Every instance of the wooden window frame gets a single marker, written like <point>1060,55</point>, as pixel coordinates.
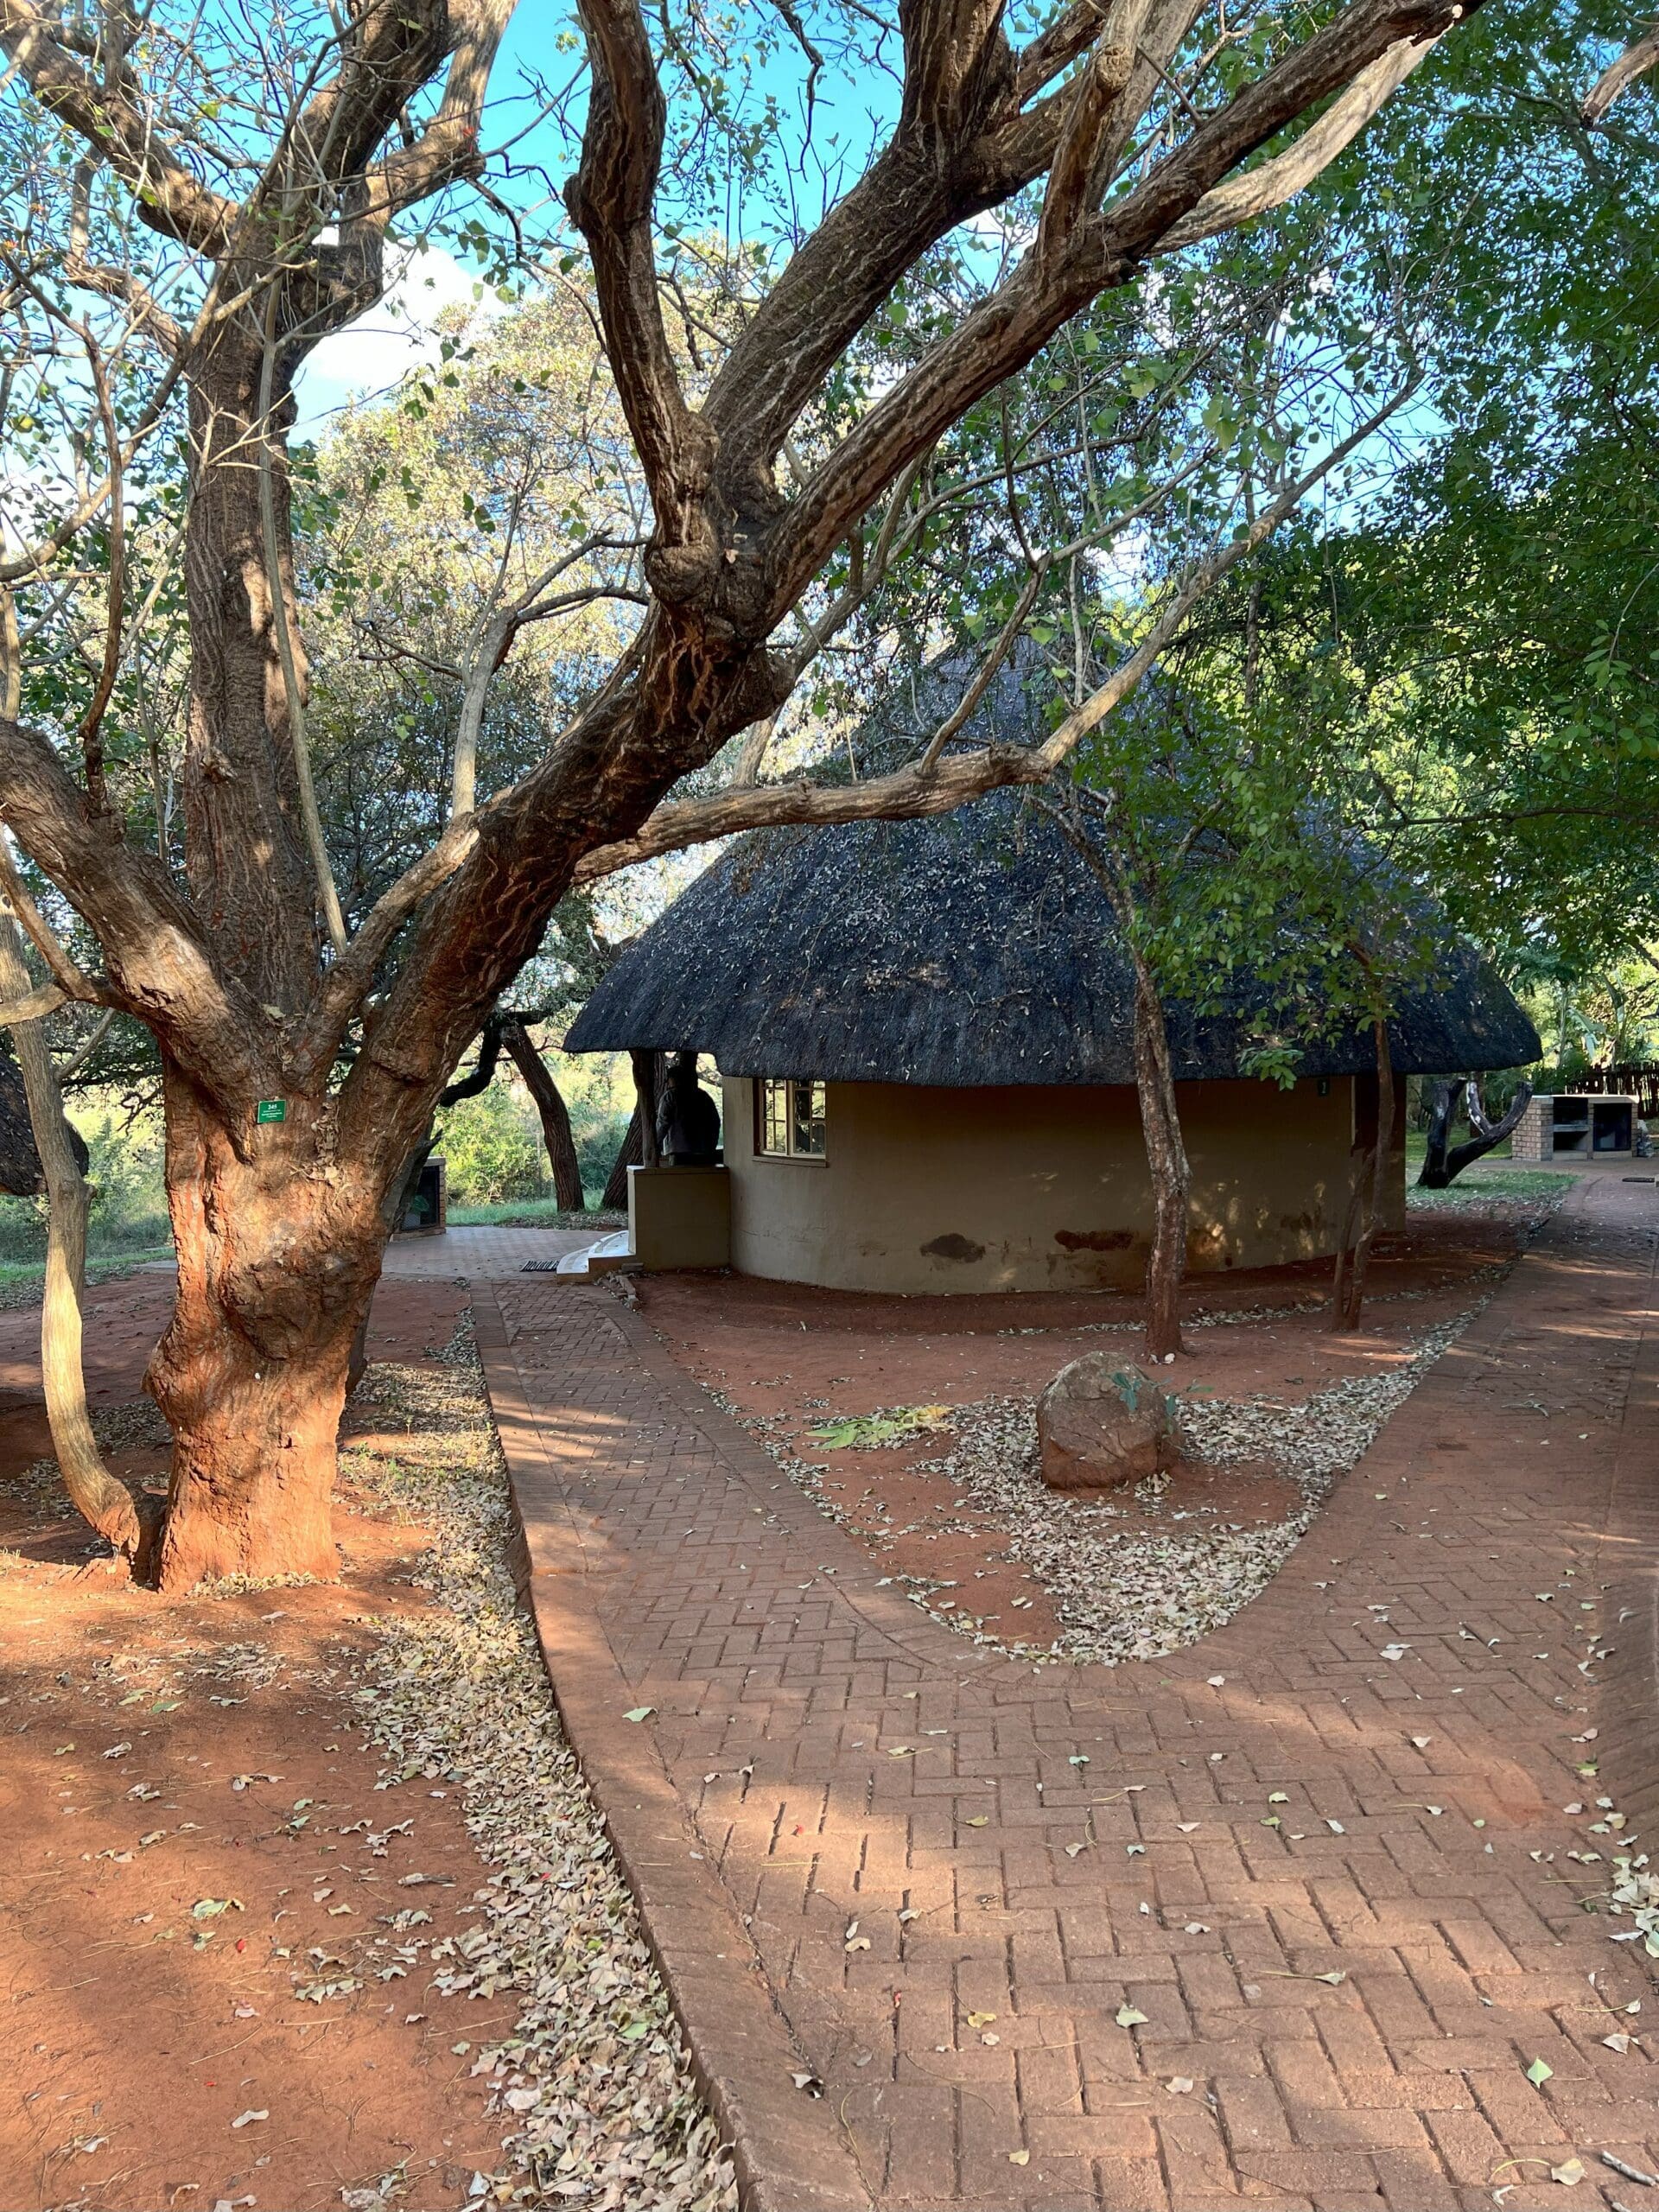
<point>763,1085</point>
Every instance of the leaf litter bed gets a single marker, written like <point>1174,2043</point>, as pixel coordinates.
<point>941,1483</point>
<point>393,1969</point>
<point>594,2080</point>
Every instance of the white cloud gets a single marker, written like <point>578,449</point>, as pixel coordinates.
<point>384,344</point>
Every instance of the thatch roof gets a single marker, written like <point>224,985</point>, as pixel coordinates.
<point>977,948</point>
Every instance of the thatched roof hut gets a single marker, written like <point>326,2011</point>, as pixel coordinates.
<point>924,1033</point>
<point>972,950</point>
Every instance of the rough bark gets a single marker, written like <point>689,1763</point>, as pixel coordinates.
<point>555,1117</point>
<point>100,1499</point>
<point>252,1371</point>
<point>1166,1161</point>
<point>245,861</point>
<point>1365,1205</point>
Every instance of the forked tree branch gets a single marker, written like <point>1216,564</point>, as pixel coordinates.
<point>167,197</point>
<point>1073,174</point>
<point>1005,331</point>
<point>159,968</point>
<point>1273,183</point>
<point>933,784</point>
<point>352,977</point>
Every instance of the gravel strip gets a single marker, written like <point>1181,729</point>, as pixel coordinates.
<point>593,2082</point>
<point>1130,1593</point>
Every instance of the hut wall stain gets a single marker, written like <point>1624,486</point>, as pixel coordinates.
<point>1039,1187</point>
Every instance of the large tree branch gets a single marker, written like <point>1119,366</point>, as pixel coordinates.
<point>905,793</point>
<point>961,145</point>
<point>1331,59</point>
<point>352,977</point>
<point>1638,57</point>
<point>168,198</point>
<point>1073,175</point>
<point>1008,329</point>
<point>932,785</point>
<point>158,966</point>
<point>449,148</point>
<point>612,200</point>
<point>1272,183</point>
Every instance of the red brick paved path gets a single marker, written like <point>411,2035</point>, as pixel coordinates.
<point>822,1753</point>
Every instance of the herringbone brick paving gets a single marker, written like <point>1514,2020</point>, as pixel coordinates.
<point>1027,1852</point>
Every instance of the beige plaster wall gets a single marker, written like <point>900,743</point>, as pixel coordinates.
<point>680,1216</point>
<point>1038,1188</point>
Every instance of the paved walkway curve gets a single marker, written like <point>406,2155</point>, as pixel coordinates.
<point>820,1753</point>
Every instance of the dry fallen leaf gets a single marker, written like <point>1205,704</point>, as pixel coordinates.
<point>1179,2085</point>
<point>1569,2174</point>
<point>1019,2157</point>
<point>1128,2017</point>
<point>245,2119</point>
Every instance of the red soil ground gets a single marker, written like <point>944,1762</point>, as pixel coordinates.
<point>794,1356</point>
<point>133,2045</point>
<point>133,2052</point>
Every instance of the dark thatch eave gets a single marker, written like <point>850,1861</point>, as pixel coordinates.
<point>972,950</point>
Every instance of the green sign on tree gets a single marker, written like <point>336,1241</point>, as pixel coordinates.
<point>271,1110</point>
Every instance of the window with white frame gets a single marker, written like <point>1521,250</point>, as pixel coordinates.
<point>789,1119</point>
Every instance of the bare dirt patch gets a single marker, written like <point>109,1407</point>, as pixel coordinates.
<point>951,1513</point>
<point>260,1850</point>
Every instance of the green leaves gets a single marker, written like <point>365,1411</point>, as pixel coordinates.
<point>867,1431</point>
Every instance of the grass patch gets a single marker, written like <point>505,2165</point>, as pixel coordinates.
<point>23,1281</point>
<point>532,1213</point>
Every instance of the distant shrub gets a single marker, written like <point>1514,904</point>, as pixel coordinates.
<point>492,1148</point>
<point>127,1173</point>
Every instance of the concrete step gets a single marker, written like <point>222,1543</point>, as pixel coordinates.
<point>606,1256</point>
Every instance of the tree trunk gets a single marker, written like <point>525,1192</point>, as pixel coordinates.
<point>638,1147</point>
<point>279,1251</point>
<point>615,1196</point>
<point>1160,1125</point>
<point>1348,1287</point>
<point>648,1088</point>
<point>244,842</point>
<point>555,1117</point>
<point>93,1490</point>
<point>1444,1161</point>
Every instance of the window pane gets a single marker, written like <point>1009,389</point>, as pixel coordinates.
<point>774,1116</point>
<point>808,1102</point>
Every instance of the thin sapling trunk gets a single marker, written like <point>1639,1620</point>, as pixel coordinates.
<point>1167,1164</point>
<point>1348,1289</point>
<point>100,1499</point>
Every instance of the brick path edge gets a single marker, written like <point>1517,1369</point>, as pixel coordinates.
<point>738,2040</point>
